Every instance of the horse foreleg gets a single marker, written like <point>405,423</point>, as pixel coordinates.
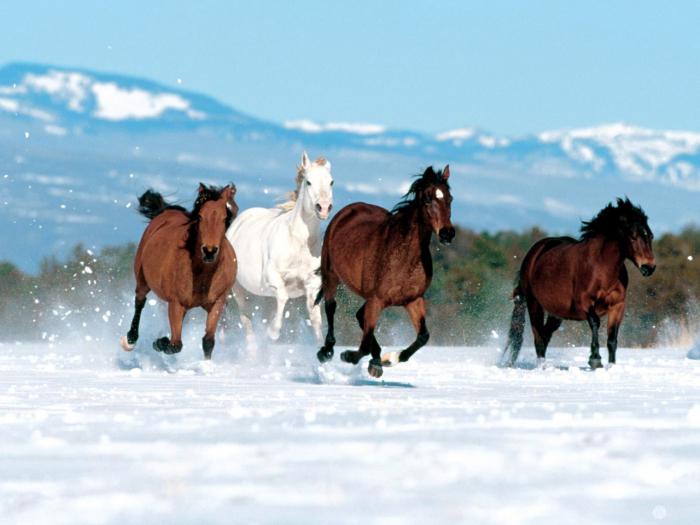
<point>615,315</point>
<point>276,282</point>
<point>416,311</point>
<point>213,314</point>
<point>172,345</point>
<point>128,342</point>
<point>244,313</point>
<point>326,351</point>
<point>594,322</point>
<point>273,330</point>
<point>312,287</point>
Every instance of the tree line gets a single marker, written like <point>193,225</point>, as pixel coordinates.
<point>469,299</point>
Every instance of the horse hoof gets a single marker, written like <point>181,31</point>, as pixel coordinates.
<point>391,359</point>
<point>375,368</point>
<point>324,355</point>
<point>273,335</point>
<point>124,343</point>
<point>164,345</point>
<point>595,363</point>
<point>350,357</point>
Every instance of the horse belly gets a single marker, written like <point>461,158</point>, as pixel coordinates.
<point>554,290</point>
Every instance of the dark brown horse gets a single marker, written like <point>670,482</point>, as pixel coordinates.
<point>385,258</point>
<point>579,280</point>
<point>187,261</point>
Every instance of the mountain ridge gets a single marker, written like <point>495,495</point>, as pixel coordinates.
<point>78,135</point>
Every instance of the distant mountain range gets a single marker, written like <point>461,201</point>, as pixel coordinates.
<point>77,147</point>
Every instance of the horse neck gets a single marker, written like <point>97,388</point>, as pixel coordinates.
<point>304,224</point>
<point>605,251</point>
<point>412,230</point>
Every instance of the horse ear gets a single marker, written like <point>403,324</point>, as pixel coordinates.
<point>228,192</point>
<point>446,172</point>
<point>201,188</point>
<point>305,162</point>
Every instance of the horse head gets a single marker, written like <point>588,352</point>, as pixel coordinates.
<point>638,235</point>
<point>626,224</point>
<point>315,186</point>
<point>432,191</point>
<point>214,211</point>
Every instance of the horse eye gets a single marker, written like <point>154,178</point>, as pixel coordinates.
<point>332,182</point>
<point>308,182</point>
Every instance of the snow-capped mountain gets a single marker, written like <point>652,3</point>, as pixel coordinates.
<point>77,147</point>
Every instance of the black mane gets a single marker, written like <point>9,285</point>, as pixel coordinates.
<point>615,222</point>
<point>430,177</point>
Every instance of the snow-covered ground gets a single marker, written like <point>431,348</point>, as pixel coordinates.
<point>95,435</point>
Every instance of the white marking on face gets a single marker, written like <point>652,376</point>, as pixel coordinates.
<point>439,194</point>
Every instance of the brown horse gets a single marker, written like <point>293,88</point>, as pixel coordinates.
<point>187,261</point>
<point>385,258</point>
<point>581,279</point>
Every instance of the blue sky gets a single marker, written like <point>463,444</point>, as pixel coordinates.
<point>510,67</point>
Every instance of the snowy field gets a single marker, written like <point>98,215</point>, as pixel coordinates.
<point>89,435</point>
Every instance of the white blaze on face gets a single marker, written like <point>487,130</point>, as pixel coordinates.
<point>439,194</point>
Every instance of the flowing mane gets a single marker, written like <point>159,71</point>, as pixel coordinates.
<point>293,195</point>
<point>430,177</point>
<point>613,222</point>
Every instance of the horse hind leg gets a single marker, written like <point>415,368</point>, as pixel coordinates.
<point>416,311</point>
<point>552,325</point>
<point>369,344</point>
<point>538,328</point>
<point>129,341</point>
<point>354,356</point>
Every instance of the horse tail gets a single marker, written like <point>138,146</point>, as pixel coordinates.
<point>517,326</point>
<point>152,204</point>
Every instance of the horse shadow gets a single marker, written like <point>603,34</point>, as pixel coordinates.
<point>353,382</point>
<point>325,375</point>
<point>549,366</point>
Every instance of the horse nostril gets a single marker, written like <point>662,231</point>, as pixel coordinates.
<point>318,207</point>
<point>647,269</point>
<point>330,207</point>
<point>446,235</point>
<point>209,253</point>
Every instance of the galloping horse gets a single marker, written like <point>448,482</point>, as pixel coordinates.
<point>385,258</point>
<point>581,279</point>
<point>282,248</point>
<point>186,260</point>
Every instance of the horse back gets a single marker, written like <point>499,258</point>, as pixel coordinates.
<point>567,278</point>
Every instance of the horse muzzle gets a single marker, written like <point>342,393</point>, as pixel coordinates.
<point>323,210</point>
<point>210,253</point>
<point>647,269</point>
<point>446,235</point>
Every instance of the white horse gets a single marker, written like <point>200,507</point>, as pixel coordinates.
<point>279,249</point>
